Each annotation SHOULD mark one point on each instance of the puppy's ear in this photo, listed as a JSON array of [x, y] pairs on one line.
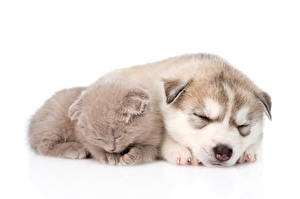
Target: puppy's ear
[[265, 99], [75, 108], [174, 88], [134, 104]]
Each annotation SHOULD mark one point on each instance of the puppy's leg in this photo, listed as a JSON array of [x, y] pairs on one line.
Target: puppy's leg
[[251, 153], [139, 154], [71, 150], [175, 153]]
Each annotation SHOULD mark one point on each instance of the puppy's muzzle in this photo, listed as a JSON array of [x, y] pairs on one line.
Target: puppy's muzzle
[[222, 152]]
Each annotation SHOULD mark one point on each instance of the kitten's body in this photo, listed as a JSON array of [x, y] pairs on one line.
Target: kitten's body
[[113, 122]]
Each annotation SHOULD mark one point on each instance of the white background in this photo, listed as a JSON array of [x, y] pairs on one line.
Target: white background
[[49, 45]]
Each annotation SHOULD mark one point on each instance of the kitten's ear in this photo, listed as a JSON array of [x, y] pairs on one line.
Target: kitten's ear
[[174, 88], [75, 108], [265, 99], [134, 104]]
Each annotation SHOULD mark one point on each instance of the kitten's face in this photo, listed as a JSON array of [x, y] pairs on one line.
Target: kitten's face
[[112, 136], [107, 115]]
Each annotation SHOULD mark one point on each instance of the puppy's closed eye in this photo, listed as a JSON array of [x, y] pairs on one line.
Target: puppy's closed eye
[[244, 129], [203, 117], [243, 126], [199, 120]]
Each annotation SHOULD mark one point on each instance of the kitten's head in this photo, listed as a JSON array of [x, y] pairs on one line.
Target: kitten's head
[[106, 114]]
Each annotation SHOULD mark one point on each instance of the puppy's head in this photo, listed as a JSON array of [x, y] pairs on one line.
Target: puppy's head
[[106, 114], [218, 114]]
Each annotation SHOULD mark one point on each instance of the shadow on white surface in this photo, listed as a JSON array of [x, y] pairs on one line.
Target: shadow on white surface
[[59, 178]]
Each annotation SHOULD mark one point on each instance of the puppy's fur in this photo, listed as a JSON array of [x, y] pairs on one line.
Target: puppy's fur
[[205, 103], [113, 121]]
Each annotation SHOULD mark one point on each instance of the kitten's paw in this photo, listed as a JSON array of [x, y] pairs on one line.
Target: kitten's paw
[[112, 159], [133, 156], [180, 155], [250, 155], [75, 151]]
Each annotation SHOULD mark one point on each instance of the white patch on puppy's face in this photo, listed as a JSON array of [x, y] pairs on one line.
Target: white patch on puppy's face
[[230, 96], [212, 108], [241, 117]]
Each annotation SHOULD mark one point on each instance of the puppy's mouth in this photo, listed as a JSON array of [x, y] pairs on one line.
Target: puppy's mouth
[[210, 159], [213, 163], [218, 164]]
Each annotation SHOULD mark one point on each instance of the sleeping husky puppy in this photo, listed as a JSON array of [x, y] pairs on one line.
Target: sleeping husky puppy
[[213, 114]]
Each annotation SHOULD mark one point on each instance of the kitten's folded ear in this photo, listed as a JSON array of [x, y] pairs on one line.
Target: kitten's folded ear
[[75, 108], [134, 104]]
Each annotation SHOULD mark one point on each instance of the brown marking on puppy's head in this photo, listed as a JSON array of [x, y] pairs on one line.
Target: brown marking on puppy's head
[[194, 92]]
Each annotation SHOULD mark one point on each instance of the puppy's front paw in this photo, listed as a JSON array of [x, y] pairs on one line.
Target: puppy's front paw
[[179, 155], [133, 156], [250, 155]]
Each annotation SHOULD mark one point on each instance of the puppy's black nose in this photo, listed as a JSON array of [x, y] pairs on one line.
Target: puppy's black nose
[[222, 152]]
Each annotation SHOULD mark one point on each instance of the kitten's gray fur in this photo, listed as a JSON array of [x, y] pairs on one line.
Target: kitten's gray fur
[[114, 122]]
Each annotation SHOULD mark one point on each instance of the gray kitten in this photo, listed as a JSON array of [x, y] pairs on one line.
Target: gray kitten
[[113, 122]]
